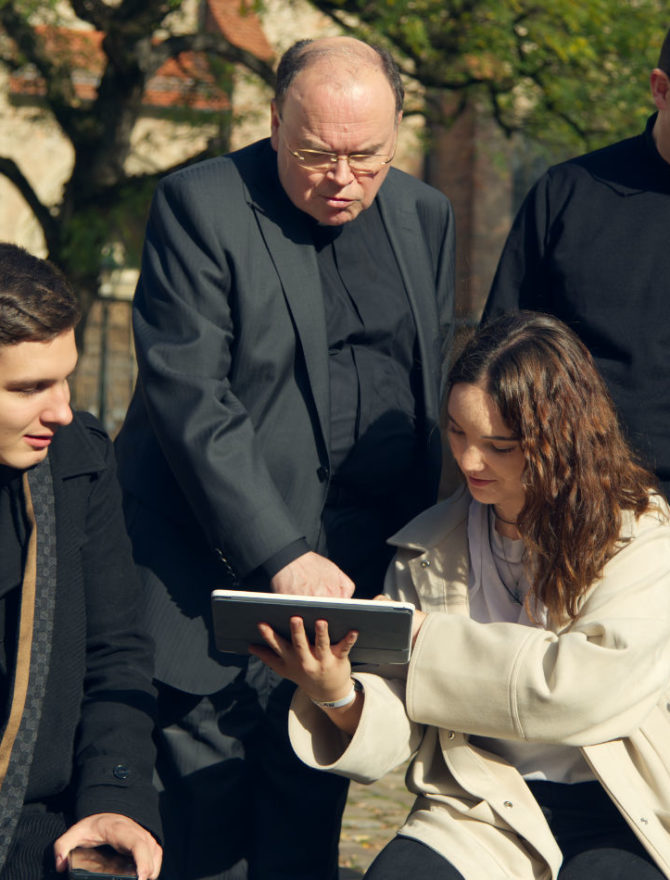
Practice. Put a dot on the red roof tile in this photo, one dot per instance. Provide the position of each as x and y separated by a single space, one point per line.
238 23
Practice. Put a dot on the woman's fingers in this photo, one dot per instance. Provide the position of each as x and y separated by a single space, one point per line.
324 650
321 639
321 669
314 658
273 639
343 648
300 640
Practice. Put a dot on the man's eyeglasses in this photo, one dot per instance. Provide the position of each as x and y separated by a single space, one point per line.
359 163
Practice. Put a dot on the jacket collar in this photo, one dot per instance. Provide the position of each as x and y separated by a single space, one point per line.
73 453
436 554
431 528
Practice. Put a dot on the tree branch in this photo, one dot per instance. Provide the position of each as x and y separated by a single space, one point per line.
214 44
47 222
95 12
498 114
57 77
368 29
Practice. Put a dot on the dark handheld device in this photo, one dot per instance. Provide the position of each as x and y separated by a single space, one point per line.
100 863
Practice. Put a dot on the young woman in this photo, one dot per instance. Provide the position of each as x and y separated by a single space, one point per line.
536 704
76 699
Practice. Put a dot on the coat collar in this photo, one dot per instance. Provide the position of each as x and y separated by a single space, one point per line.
73 452
434 548
431 528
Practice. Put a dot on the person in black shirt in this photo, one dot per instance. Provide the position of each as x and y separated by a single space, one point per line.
76 698
590 246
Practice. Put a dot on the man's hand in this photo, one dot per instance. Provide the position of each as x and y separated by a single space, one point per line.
119 832
312 575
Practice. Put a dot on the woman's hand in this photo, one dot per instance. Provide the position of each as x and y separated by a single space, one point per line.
322 670
417 623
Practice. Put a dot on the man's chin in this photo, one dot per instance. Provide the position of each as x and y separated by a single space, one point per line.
334 216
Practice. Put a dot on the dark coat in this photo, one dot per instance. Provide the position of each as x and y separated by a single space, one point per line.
227 436
94 750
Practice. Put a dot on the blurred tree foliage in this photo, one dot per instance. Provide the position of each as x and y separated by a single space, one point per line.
571 74
102 204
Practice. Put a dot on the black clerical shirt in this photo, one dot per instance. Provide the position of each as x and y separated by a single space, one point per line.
371 341
374 372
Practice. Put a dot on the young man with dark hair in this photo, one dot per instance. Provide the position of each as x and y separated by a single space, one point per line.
76 698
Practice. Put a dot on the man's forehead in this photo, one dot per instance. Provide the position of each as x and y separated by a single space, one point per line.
38 361
321 109
329 76
339 55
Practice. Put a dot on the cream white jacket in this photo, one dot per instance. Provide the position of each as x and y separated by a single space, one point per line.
600 683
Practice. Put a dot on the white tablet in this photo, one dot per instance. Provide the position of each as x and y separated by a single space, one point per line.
384 628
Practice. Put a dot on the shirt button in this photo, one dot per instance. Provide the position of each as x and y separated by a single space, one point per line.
452 735
508 804
425 563
121 771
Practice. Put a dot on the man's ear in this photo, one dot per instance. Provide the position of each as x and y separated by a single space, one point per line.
274 125
660 88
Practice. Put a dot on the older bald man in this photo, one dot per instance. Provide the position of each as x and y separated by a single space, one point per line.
291 319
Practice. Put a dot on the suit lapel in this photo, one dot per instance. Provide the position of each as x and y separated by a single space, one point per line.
292 252
409 249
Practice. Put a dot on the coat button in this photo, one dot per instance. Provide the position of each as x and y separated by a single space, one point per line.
121 771
425 563
452 735
323 473
508 804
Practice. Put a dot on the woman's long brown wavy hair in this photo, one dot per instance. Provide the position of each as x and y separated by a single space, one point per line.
580 473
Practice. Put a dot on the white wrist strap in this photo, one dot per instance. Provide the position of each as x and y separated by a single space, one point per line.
343 701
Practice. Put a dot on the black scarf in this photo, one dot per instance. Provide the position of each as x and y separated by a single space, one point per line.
38 599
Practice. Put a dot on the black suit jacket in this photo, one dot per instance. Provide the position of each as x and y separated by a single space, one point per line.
227 433
94 751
